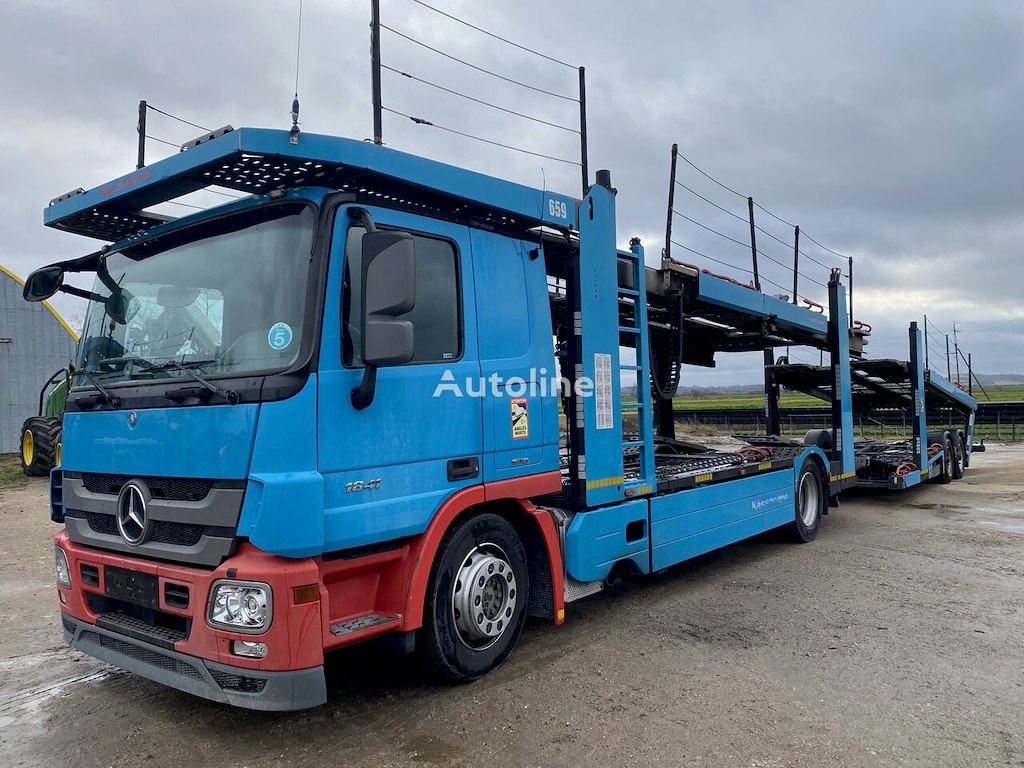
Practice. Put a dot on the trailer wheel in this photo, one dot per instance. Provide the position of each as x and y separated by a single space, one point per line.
958 456
946 476
810 502
476 601
40 436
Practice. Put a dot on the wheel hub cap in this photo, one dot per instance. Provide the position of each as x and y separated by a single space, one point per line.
808 496
484 596
28 447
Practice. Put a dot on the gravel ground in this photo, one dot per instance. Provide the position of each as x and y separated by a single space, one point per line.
896 638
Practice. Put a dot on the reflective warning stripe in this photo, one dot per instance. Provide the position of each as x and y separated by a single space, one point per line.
604 483
843 476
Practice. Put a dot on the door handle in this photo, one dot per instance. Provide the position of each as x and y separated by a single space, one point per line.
463 469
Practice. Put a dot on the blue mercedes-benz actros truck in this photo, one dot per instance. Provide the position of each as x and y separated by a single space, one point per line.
381 396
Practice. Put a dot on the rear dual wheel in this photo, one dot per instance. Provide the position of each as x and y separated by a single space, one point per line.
948 462
957 467
476 600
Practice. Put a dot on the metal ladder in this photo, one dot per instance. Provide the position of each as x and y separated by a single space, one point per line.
645 482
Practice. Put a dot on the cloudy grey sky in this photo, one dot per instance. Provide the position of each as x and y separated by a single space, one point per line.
889 131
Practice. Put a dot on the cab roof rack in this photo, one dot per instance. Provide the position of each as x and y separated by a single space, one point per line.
257 161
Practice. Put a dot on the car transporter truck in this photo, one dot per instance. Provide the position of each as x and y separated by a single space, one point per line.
383 397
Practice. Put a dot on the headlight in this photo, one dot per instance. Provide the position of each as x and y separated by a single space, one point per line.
244 606
63 571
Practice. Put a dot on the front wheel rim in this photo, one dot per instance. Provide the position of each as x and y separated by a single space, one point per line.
484 596
28 447
808 498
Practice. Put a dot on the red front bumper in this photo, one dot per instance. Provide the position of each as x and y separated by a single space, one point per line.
294 638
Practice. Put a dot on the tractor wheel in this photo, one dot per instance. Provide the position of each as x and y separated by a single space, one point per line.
40 438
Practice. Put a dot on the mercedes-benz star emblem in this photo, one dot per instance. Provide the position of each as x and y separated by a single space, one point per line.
132 520
132 419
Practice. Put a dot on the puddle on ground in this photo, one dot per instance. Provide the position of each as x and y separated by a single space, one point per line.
1009 519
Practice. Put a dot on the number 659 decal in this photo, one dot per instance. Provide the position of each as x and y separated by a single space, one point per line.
557 209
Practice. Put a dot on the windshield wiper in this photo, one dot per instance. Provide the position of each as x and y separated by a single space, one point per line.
174 364
230 395
112 400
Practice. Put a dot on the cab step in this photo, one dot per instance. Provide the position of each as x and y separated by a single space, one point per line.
360 623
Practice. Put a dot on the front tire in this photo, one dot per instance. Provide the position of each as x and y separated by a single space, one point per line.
811 500
476 600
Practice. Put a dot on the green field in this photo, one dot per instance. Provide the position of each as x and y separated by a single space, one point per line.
1000 393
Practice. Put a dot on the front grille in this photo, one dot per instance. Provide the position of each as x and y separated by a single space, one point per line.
171 488
69 624
239 683
162 531
100 523
145 655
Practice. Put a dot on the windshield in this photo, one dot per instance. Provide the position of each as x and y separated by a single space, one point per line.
224 297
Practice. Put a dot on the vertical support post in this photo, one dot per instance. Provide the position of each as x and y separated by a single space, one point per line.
378 137
949 372
644 396
956 352
753 242
926 345
141 128
796 260
771 397
917 397
584 170
667 251
842 384
596 465
849 271
970 371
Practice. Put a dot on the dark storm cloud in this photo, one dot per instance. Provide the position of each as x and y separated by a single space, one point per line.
888 131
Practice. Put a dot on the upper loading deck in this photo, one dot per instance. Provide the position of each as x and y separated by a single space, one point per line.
877 384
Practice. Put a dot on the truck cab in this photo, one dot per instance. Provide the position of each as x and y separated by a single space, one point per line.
273 401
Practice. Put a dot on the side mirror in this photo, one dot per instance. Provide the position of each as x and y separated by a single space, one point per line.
388 283
43 283
389 290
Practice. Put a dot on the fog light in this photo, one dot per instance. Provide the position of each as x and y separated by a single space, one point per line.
63 571
242 606
249 648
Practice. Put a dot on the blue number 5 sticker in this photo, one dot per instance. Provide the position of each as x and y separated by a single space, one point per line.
280 336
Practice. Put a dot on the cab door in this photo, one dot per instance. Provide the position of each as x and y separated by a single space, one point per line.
388 467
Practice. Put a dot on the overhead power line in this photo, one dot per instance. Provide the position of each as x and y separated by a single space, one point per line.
476 100
746 246
479 68
421 121
775 216
724 263
758 227
496 37
163 141
175 117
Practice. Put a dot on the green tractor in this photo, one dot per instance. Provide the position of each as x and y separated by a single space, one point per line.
41 435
